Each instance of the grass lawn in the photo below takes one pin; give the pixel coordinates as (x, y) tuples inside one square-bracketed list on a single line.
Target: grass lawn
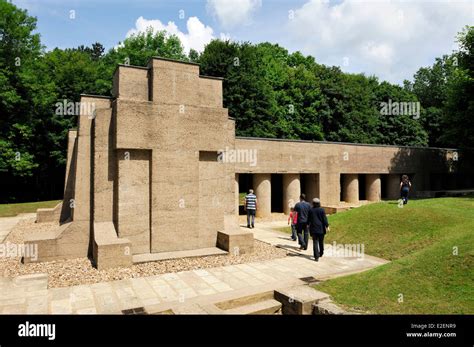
[(420, 239), (242, 198), (8, 210)]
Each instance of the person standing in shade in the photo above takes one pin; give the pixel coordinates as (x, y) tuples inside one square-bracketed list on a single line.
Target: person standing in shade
[(302, 209), (293, 219), (251, 208), (318, 225), (405, 186)]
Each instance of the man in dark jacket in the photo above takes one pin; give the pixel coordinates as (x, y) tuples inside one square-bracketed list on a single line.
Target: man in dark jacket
[(318, 224), (302, 208)]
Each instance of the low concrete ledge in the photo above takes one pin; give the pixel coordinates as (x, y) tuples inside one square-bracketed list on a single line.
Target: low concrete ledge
[(109, 250), (235, 241), (45, 215), (200, 252), (299, 300), (70, 240)]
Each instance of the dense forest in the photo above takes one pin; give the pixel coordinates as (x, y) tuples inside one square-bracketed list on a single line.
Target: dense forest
[(269, 91)]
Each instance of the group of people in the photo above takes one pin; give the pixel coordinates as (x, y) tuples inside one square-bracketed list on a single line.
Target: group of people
[(306, 219), (309, 219)]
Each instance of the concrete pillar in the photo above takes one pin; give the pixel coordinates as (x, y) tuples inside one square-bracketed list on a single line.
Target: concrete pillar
[(373, 187), (263, 190), (350, 188), (236, 194), (393, 187), (312, 186), (291, 191)]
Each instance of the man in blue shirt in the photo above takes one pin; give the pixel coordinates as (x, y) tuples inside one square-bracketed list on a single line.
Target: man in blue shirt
[(251, 207), (302, 208)]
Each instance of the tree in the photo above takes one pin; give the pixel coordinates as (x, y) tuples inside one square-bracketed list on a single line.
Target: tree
[(247, 94), (140, 47), (430, 85), (399, 128), (19, 49), (458, 123)]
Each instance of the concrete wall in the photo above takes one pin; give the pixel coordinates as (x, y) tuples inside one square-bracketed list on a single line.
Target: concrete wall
[(189, 196), (155, 169), (331, 160)]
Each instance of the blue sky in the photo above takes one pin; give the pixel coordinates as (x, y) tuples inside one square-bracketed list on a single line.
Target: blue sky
[(387, 38)]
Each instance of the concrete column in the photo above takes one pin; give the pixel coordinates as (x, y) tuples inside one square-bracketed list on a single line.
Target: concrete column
[(312, 186), (393, 187), (263, 190), (373, 187), (350, 188), (291, 191), (236, 194)]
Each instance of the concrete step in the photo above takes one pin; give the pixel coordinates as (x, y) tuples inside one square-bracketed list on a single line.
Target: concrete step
[(270, 306), (148, 257), (299, 300)]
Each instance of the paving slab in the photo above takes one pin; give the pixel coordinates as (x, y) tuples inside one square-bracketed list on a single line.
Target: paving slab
[(161, 293), (201, 252)]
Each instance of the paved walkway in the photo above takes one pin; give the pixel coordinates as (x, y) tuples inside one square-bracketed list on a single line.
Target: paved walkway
[(266, 232), (7, 223), (185, 292)]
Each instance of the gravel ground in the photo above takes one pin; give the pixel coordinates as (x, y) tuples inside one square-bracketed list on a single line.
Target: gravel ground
[(64, 273)]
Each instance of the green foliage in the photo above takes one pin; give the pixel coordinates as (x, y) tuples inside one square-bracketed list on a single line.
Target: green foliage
[(19, 51), (445, 91), (246, 93), (140, 47), (270, 93), (459, 108)]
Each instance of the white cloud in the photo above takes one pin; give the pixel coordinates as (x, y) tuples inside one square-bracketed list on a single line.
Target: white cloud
[(197, 36), (231, 13), (390, 39)]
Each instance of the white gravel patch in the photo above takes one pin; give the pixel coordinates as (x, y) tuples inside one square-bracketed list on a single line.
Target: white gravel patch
[(71, 272)]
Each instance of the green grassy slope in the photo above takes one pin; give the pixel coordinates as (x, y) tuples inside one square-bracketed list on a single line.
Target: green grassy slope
[(421, 239)]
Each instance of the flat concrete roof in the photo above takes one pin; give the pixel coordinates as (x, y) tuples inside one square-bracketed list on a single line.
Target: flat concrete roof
[(341, 143), (175, 60), (96, 96)]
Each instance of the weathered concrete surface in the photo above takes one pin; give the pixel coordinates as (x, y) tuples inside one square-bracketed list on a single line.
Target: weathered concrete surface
[(150, 162), (373, 187), (235, 241), (263, 190), (299, 300), (198, 291), (350, 188), (291, 191)]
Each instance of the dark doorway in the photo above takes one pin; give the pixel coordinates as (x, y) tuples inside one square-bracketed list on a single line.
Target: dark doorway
[(383, 183), (277, 193), (362, 185), (245, 183)]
